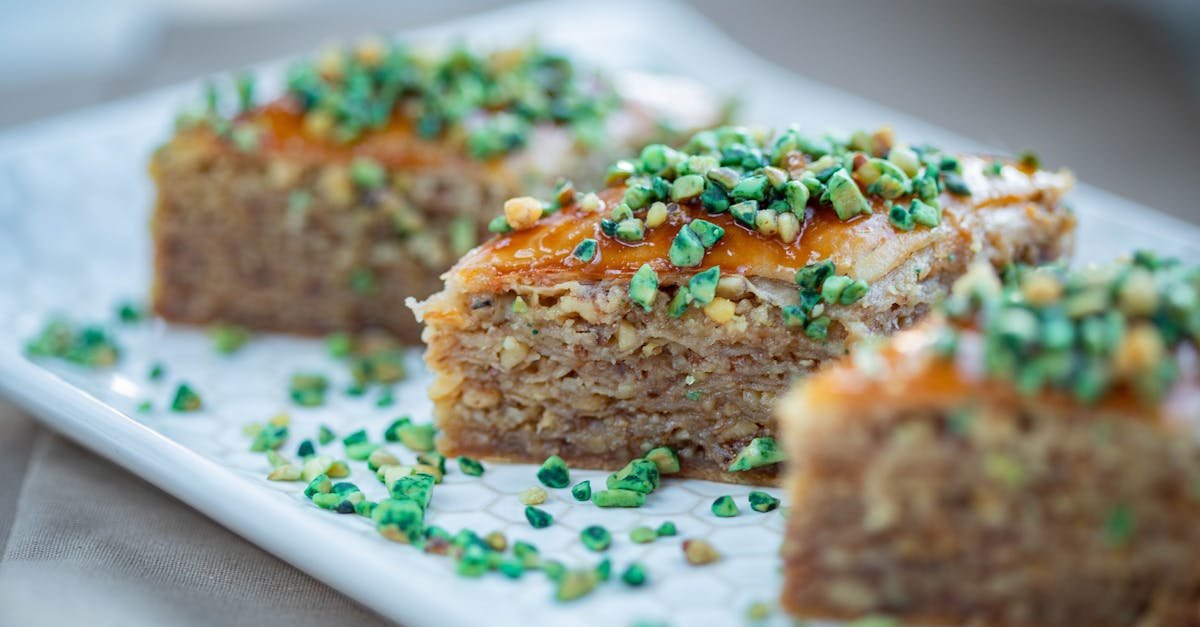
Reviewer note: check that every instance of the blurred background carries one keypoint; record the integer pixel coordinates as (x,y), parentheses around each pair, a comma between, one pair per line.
(1110,88)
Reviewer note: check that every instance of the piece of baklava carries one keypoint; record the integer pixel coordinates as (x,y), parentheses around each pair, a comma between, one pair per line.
(672,308)
(324,208)
(1031,458)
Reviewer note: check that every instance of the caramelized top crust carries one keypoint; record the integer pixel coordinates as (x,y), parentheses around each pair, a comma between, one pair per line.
(864,247)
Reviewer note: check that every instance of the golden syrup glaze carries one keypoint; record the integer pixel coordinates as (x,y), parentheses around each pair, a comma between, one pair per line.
(542,256)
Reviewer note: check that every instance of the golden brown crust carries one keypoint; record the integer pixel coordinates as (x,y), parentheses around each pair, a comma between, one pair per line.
(924,490)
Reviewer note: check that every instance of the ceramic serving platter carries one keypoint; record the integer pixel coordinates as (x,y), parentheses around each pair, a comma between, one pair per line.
(74,203)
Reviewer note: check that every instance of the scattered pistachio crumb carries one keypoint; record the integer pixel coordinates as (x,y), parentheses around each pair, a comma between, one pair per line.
(538,518)
(642,535)
(725,507)
(582,491)
(698,552)
(758,453)
(634,575)
(554,473)
(532,496)
(186,399)
(595,538)
(762,502)
(470,466)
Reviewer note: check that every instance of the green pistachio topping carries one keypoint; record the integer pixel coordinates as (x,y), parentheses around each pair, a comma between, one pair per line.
(470,466)
(643,288)
(639,475)
(227,339)
(686,249)
(582,491)
(707,232)
(308,389)
(269,438)
(664,459)
(554,473)
(725,507)
(325,435)
(618,498)
(595,538)
(666,530)
(585,250)
(687,187)
(1086,332)
(634,575)
(89,346)
(642,535)
(762,502)
(538,518)
(185,399)
(575,584)
(847,199)
(758,453)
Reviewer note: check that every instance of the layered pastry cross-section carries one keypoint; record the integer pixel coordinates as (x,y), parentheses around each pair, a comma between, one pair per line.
(374,170)
(672,308)
(1030,458)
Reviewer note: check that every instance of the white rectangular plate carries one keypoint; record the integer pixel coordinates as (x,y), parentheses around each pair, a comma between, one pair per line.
(74,202)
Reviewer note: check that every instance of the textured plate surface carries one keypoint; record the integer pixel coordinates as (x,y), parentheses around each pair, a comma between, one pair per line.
(74,201)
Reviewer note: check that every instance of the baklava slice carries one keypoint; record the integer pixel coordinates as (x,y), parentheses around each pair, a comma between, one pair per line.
(324,208)
(673,307)
(1031,458)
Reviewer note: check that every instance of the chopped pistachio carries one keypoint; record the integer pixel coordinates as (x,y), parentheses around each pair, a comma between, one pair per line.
(582,491)
(925,214)
(901,218)
(618,498)
(725,507)
(307,389)
(269,438)
(418,438)
(848,200)
(666,529)
(88,346)
(433,459)
(532,496)
(499,225)
(643,288)
(185,399)
(470,466)
(642,535)
(750,188)
(227,339)
(699,552)
(687,187)
(325,435)
(630,230)
(706,232)
(686,249)
(367,173)
(758,453)
(554,473)
(762,502)
(634,575)
(538,518)
(399,519)
(574,584)
(811,278)
(745,212)
(818,328)
(595,538)
(286,472)
(664,459)
(702,287)
(585,250)
(639,475)
(378,458)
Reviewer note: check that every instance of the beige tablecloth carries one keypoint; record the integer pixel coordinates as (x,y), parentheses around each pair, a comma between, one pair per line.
(83,542)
